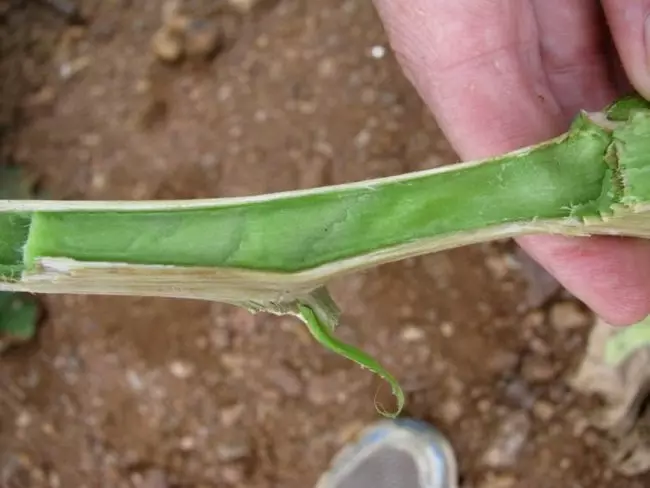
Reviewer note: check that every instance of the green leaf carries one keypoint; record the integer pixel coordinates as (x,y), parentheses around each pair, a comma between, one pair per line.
(19,313)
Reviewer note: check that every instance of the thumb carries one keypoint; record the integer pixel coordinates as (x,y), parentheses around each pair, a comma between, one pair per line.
(629,22)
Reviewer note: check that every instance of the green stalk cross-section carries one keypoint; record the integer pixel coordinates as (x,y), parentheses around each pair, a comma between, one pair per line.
(277,252)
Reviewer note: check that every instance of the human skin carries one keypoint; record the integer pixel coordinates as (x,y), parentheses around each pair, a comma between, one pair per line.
(502,74)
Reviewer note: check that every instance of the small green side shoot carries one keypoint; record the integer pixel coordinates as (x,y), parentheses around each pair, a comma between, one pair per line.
(277,252)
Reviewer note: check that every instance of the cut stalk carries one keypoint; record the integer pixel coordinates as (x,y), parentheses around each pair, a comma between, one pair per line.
(277,252)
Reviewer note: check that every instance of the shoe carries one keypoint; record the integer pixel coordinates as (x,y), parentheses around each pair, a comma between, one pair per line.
(400,453)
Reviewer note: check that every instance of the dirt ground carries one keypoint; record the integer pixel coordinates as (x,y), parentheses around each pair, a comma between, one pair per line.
(135,392)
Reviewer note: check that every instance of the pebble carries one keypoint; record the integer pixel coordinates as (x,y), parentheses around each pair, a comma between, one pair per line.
(503,362)
(244,6)
(508,442)
(568,316)
(533,320)
(378,52)
(181,369)
(154,478)
(233,475)
(229,416)
(544,410)
(537,369)
(322,390)
(202,39)
(498,266)
(447,329)
(327,67)
(23,420)
(286,380)
(70,68)
(220,338)
(167,45)
(412,334)
(451,411)
(233,446)
(187,443)
(518,392)
(173,18)
(499,481)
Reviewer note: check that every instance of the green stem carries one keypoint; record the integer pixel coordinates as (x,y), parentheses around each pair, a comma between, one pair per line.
(271,252)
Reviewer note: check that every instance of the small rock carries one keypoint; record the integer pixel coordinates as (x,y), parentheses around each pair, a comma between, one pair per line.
(499,481)
(378,52)
(187,443)
(23,420)
(327,67)
(71,68)
(202,39)
(537,369)
(503,362)
(319,391)
(154,478)
(451,411)
(233,446)
(506,446)
(173,18)
(568,315)
(181,369)
(45,96)
(220,338)
(244,6)
(234,363)
(230,415)
(233,475)
(90,139)
(498,266)
(544,410)
(412,334)
(322,390)
(167,45)
(287,380)
(484,405)
(447,329)
(362,139)
(533,320)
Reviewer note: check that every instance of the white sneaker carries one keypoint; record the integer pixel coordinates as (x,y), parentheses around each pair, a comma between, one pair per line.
(394,454)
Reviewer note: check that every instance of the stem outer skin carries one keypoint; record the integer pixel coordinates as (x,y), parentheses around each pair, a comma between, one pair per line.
(276,252)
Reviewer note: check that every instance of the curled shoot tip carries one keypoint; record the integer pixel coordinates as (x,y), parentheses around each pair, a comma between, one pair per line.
(323,335)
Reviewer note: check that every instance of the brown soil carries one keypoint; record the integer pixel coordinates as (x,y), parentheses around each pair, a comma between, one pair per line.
(134,392)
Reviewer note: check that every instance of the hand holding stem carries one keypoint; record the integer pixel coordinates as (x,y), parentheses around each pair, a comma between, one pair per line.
(503,74)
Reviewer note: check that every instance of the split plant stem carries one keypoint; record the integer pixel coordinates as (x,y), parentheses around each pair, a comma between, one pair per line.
(277,252)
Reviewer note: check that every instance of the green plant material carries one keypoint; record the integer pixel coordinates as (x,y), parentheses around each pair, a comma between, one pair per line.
(322,327)
(625,341)
(19,312)
(277,252)
(18,317)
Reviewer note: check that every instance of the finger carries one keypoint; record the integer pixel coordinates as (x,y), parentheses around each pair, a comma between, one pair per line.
(572,38)
(609,274)
(477,65)
(628,21)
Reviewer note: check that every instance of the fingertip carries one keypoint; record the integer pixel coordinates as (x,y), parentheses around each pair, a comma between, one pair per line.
(609,274)
(476,64)
(629,23)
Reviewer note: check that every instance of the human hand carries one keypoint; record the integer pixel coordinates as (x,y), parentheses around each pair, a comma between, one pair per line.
(502,74)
